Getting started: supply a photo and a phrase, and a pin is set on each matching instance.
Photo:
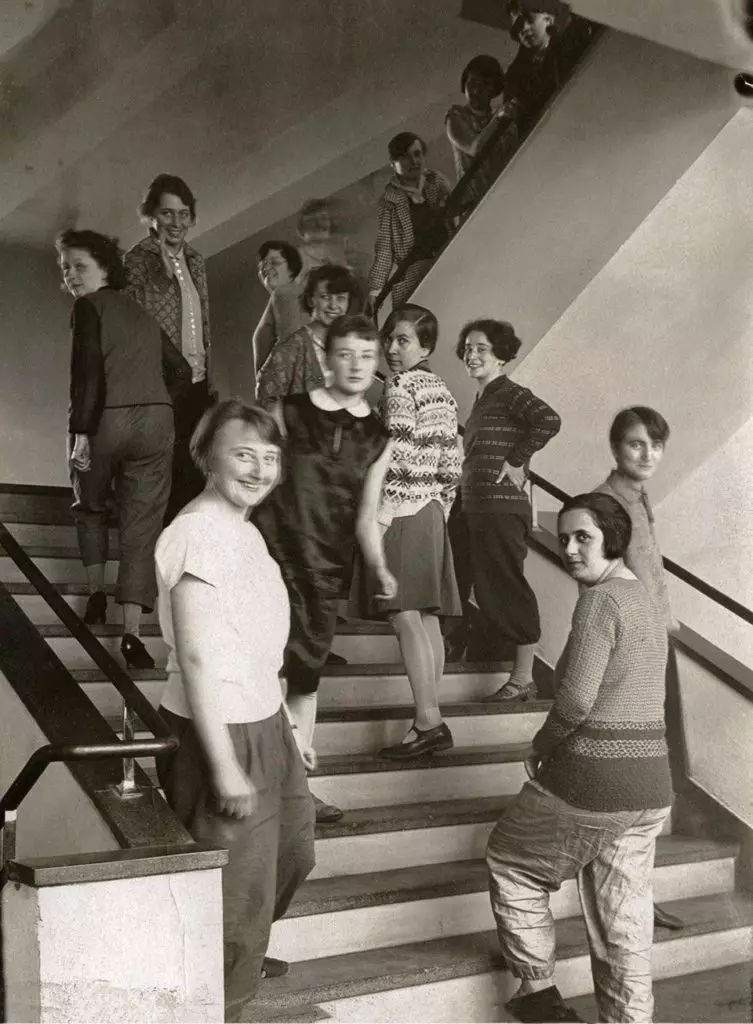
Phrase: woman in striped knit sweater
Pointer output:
(600, 788)
(417, 495)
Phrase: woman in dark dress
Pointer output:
(336, 456)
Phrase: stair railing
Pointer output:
(488, 164)
(135, 704)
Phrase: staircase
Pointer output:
(395, 923)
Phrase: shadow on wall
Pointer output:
(35, 347)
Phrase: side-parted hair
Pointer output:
(400, 144)
(104, 250)
(609, 516)
(339, 280)
(487, 67)
(162, 184)
(656, 426)
(424, 323)
(355, 323)
(288, 252)
(215, 418)
(501, 336)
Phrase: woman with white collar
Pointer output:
(337, 454)
(409, 218)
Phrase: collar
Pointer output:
(150, 244)
(628, 490)
(493, 386)
(322, 399)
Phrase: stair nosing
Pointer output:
(352, 764)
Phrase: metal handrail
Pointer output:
(727, 602)
(460, 200)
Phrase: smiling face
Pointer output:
(353, 361)
(327, 306)
(82, 275)
(480, 362)
(403, 349)
(582, 546)
(171, 220)
(243, 468)
(410, 165)
(274, 271)
(637, 455)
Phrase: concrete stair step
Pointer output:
(461, 977)
(343, 915)
(60, 535)
(57, 564)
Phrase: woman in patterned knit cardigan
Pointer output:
(600, 788)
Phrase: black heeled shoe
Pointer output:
(96, 609)
(134, 652)
(427, 741)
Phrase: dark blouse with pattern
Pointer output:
(309, 520)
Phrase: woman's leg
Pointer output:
(417, 652)
(434, 632)
(95, 577)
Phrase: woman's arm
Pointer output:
(276, 376)
(195, 611)
(383, 255)
(368, 531)
(264, 338)
(87, 369)
(450, 469)
(541, 422)
(461, 134)
(589, 648)
(399, 415)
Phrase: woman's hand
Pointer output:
(235, 794)
(387, 584)
(81, 456)
(510, 108)
(515, 474)
(307, 752)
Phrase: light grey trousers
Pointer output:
(131, 460)
(541, 842)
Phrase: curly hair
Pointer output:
(339, 281)
(103, 249)
(288, 252)
(501, 336)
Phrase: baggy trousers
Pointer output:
(131, 455)
(271, 851)
(538, 844)
(187, 481)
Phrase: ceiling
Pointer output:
(258, 105)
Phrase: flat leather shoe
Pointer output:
(542, 1007)
(664, 920)
(427, 741)
(326, 814)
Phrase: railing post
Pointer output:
(534, 507)
(7, 837)
(128, 786)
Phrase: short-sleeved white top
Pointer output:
(247, 641)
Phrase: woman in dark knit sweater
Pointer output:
(600, 786)
(506, 426)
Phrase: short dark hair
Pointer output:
(166, 183)
(215, 418)
(424, 323)
(501, 335)
(338, 280)
(102, 248)
(400, 144)
(526, 15)
(288, 252)
(355, 323)
(656, 426)
(484, 66)
(609, 516)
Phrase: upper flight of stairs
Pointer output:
(394, 923)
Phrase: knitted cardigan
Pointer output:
(421, 416)
(603, 742)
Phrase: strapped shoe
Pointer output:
(427, 741)
(542, 1007)
(513, 690)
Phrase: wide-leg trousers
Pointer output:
(541, 842)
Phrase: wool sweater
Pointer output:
(421, 416)
(603, 741)
(508, 423)
(643, 556)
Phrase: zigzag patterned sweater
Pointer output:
(604, 738)
(425, 465)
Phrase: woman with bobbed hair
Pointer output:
(237, 779)
(120, 429)
(507, 426)
(278, 268)
(409, 215)
(600, 787)
(471, 125)
(422, 476)
(299, 362)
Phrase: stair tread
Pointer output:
(401, 885)
(355, 670)
(722, 995)
(59, 551)
(430, 961)
(344, 764)
(428, 814)
(358, 627)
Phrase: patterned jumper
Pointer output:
(422, 418)
(604, 738)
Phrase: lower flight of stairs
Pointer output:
(394, 923)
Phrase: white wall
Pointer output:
(614, 144)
